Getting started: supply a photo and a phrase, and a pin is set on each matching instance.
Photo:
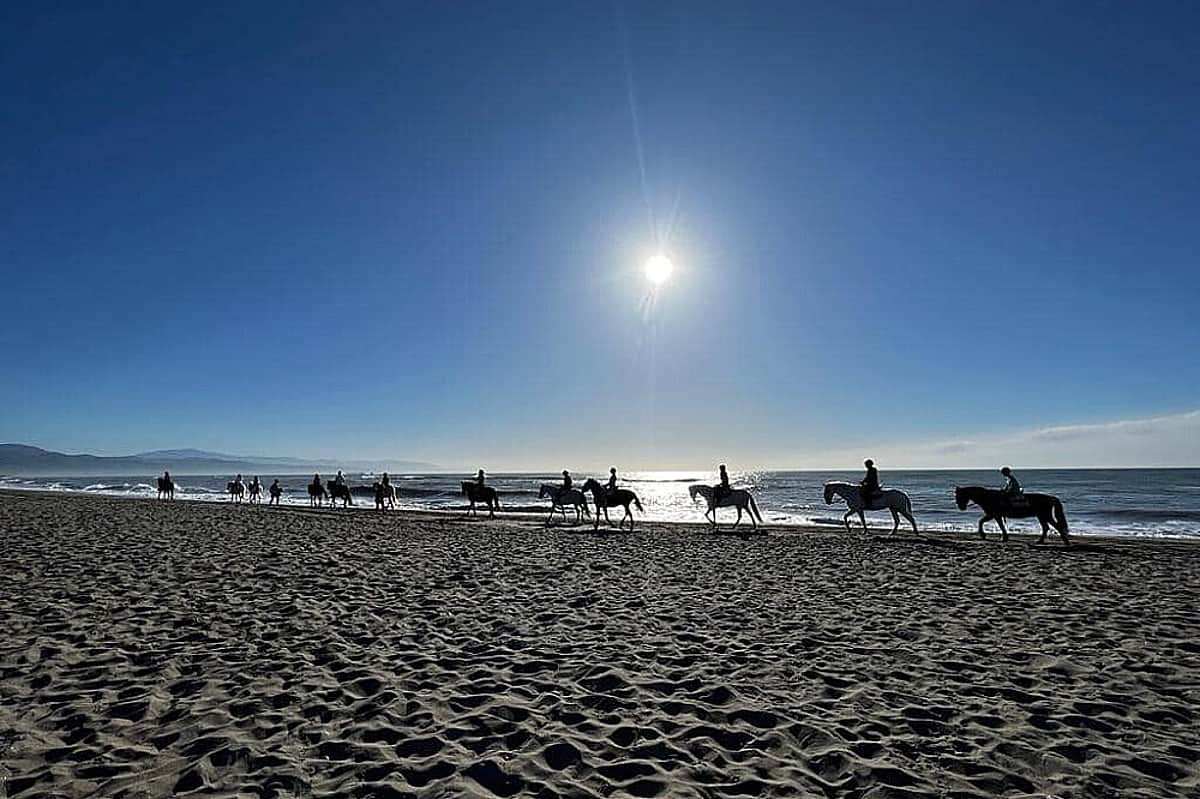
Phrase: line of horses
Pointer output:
(995, 504)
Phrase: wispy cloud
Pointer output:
(1165, 440)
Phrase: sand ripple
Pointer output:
(155, 650)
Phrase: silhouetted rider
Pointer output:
(339, 479)
(566, 484)
(1012, 489)
(870, 483)
(721, 489)
(387, 482)
(612, 480)
(479, 478)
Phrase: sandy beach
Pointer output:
(155, 649)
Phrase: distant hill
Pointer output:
(26, 461)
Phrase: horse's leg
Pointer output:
(753, 523)
(895, 521)
(863, 518)
(911, 521)
(739, 518)
(1045, 528)
(982, 536)
(1003, 529)
(846, 520)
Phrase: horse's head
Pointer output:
(829, 493)
(545, 490)
(962, 497)
(693, 490)
(590, 484)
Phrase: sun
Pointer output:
(659, 269)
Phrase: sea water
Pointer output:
(1134, 502)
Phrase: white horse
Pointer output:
(560, 499)
(738, 498)
(892, 499)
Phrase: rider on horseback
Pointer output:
(870, 483)
(612, 480)
(721, 489)
(479, 478)
(1011, 491)
(566, 484)
(339, 479)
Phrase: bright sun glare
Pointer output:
(659, 269)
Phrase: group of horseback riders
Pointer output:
(869, 485)
(871, 490)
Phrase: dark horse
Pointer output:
(484, 495)
(166, 488)
(316, 494)
(236, 490)
(338, 491)
(995, 505)
(605, 500)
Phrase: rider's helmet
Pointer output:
(613, 470)
(565, 472)
(721, 467)
(868, 462)
(1004, 470)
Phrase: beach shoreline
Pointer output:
(698, 527)
(173, 648)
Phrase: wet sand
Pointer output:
(159, 649)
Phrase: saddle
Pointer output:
(873, 501)
(1016, 501)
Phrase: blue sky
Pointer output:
(417, 231)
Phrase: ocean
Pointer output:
(1129, 502)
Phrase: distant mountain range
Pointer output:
(26, 461)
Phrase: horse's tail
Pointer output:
(754, 508)
(638, 503)
(1060, 518)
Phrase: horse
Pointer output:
(890, 499)
(483, 494)
(316, 494)
(276, 493)
(560, 498)
(385, 496)
(605, 500)
(166, 488)
(236, 489)
(738, 498)
(339, 491)
(996, 505)
(255, 489)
